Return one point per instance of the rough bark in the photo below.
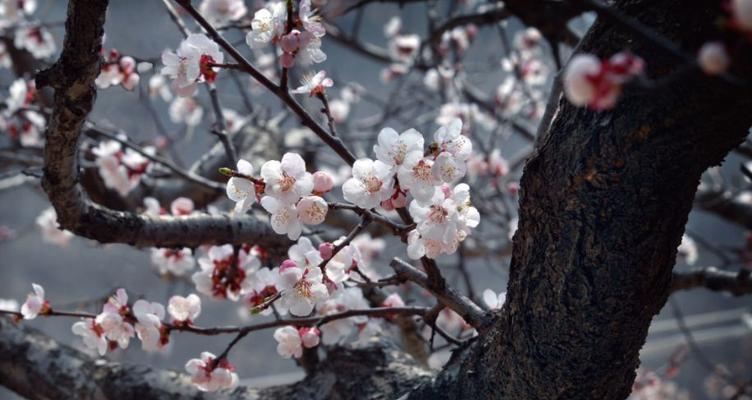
(37, 367)
(603, 206)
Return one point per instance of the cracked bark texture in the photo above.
(604, 201)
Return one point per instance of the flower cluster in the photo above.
(35, 39)
(22, 123)
(119, 322)
(291, 194)
(114, 326)
(291, 340)
(300, 42)
(589, 81)
(220, 12)
(443, 214)
(118, 70)
(121, 169)
(226, 273)
(210, 374)
(178, 261)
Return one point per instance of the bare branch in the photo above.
(463, 306)
(711, 278)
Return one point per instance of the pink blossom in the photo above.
(322, 182)
(181, 206)
(35, 303)
(713, 58)
(742, 10)
(314, 84)
(209, 375)
(184, 309)
(598, 84)
(312, 210)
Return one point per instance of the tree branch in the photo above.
(711, 278)
(72, 77)
(37, 367)
(463, 306)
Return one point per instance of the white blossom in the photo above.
(268, 24)
(184, 309)
(713, 58)
(416, 175)
(393, 148)
(35, 303)
(343, 300)
(222, 276)
(220, 12)
(449, 138)
(284, 217)
(51, 233)
(148, 327)
(492, 300)
(314, 84)
(301, 288)
(92, 335)
(371, 183)
(185, 110)
(312, 210)
(291, 340)
(189, 65)
(175, 262)
(209, 375)
(241, 190)
(37, 40)
(288, 180)
(114, 326)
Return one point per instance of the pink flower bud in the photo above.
(713, 58)
(287, 60)
(309, 336)
(393, 300)
(326, 249)
(290, 43)
(287, 264)
(161, 142)
(181, 206)
(127, 64)
(322, 182)
(513, 188)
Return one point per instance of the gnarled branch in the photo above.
(72, 77)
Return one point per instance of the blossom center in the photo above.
(437, 214)
(400, 153)
(422, 171)
(286, 183)
(372, 184)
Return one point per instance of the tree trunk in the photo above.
(603, 206)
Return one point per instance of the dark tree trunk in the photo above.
(603, 206)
